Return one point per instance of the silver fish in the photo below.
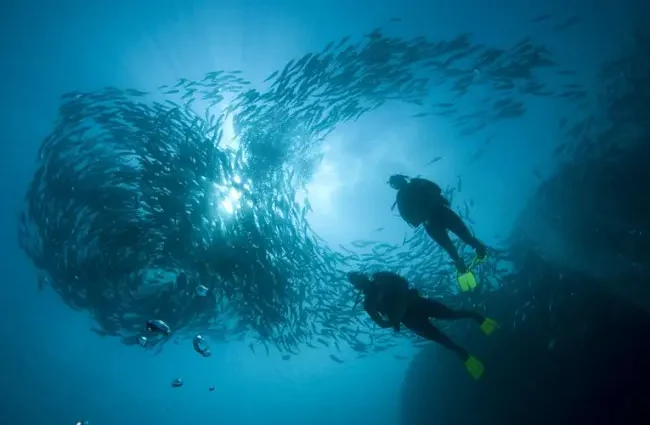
(201, 346)
(201, 290)
(158, 326)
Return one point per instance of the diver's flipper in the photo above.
(488, 326)
(474, 367)
(466, 281)
(462, 283)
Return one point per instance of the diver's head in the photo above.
(359, 280)
(398, 181)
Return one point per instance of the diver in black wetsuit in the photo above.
(420, 201)
(388, 294)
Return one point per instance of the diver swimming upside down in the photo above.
(388, 294)
(421, 202)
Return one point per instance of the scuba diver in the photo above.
(420, 201)
(388, 294)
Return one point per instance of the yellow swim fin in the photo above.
(474, 367)
(466, 281)
(488, 326)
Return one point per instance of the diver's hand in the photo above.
(378, 319)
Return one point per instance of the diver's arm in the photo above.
(398, 289)
(380, 321)
(401, 305)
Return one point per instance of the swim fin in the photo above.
(466, 281)
(474, 367)
(488, 326)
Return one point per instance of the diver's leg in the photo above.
(437, 310)
(439, 234)
(426, 330)
(455, 224)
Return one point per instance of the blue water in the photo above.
(55, 371)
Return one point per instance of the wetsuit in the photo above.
(420, 201)
(387, 294)
(384, 297)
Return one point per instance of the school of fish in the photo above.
(141, 211)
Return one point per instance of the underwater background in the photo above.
(221, 166)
